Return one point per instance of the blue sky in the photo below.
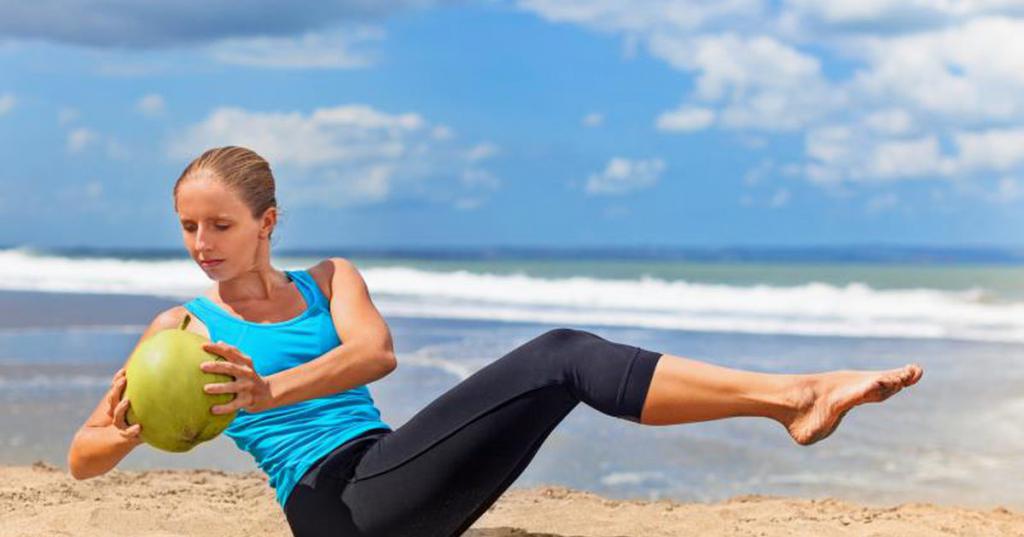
(538, 122)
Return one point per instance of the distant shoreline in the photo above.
(868, 254)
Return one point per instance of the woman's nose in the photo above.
(202, 243)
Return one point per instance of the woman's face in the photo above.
(217, 225)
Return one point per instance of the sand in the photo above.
(44, 500)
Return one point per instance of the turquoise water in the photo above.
(1003, 283)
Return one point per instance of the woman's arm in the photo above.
(365, 355)
(100, 444)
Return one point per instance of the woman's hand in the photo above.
(252, 391)
(117, 408)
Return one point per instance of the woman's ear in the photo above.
(267, 225)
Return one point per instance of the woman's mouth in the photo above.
(210, 263)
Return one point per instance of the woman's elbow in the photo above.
(389, 361)
(75, 469)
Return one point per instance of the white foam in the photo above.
(649, 478)
(813, 308)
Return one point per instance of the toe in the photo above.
(910, 374)
(918, 373)
(885, 387)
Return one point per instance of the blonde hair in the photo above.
(241, 170)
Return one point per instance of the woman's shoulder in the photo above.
(323, 273)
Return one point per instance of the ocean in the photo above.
(69, 318)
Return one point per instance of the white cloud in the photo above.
(7, 102)
(481, 151)
(442, 132)
(340, 49)
(687, 118)
(851, 153)
(79, 139)
(476, 177)
(994, 149)
(468, 204)
(893, 15)
(1008, 190)
(67, 115)
(593, 119)
(755, 82)
(151, 105)
(951, 72)
(623, 175)
(779, 199)
(891, 121)
(633, 18)
(758, 173)
(924, 89)
(327, 136)
(347, 155)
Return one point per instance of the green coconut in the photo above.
(165, 387)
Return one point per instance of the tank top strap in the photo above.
(309, 288)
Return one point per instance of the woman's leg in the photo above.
(444, 467)
(809, 406)
(440, 471)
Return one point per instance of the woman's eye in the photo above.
(222, 227)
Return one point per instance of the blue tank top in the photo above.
(286, 441)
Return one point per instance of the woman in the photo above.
(306, 415)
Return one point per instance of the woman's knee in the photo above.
(564, 336)
(559, 347)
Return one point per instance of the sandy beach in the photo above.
(44, 500)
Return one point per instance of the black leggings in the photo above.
(441, 470)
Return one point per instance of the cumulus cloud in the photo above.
(7, 102)
(927, 89)
(687, 118)
(593, 119)
(853, 153)
(79, 139)
(82, 139)
(481, 151)
(623, 175)
(338, 49)
(67, 115)
(1008, 190)
(129, 24)
(348, 155)
(151, 105)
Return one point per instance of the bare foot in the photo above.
(820, 401)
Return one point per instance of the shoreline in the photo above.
(43, 499)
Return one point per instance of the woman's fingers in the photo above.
(228, 387)
(132, 432)
(115, 394)
(117, 386)
(229, 352)
(242, 400)
(119, 414)
(227, 368)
